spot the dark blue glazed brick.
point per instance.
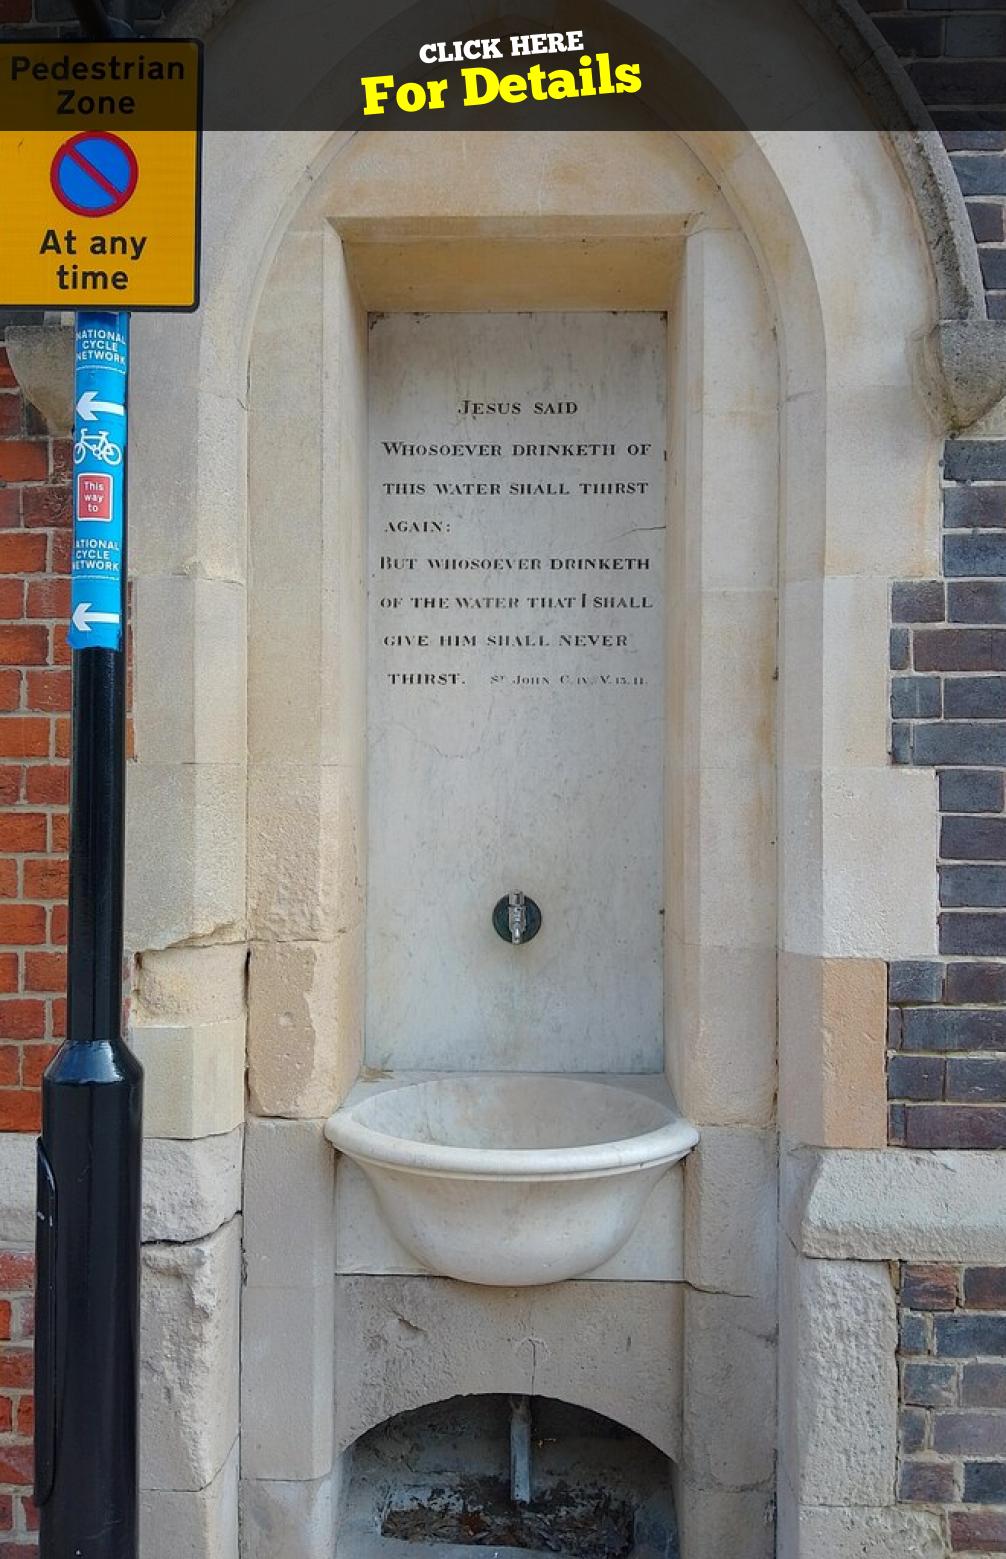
(970, 698)
(974, 508)
(915, 1332)
(894, 1028)
(973, 887)
(937, 1029)
(915, 698)
(987, 224)
(993, 268)
(915, 980)
(901, 647)
(985, 1483)
(960, 742)
(971, 790)
(918, 601)
(901, 742)
(955, 1126)
(915, 1077)
(956, 649)
(978, 173)
(964, 1335)
(912, 1425)
(896, 1126)
(976, 601)
(973, 839)
(977, 459)
(966, 553)
(976, 1080)
(983, 935)
(973, 982)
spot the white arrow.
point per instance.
(89, 406)
(83, 617)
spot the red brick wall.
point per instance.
(34, 749)
(17, 1516)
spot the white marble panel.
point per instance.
(515, 689)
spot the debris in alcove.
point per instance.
(583, 1523)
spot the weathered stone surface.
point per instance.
(189, 1359)
(832, 1047)
(402, 1342)
(42, 361)
(305, 1024)
(287, 1381)
(190, 1188)
(862, 1533)
(200, 1524)
(17, 1188)
(185, 831)
(896, 1205)
(730, 1212)
(288, 1520)
(730, 1389)
(190, 984)
(725, 1523)
(195, 1077)
(288, 1164)
(838, 1380)
(190, 640)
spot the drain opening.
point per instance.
(446, 1476)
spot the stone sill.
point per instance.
(895, 1205)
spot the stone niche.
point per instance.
(557, 739)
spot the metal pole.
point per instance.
(88, 1231)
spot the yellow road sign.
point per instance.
(99, 146)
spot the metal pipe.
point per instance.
(520, 1450)
(88, 1228)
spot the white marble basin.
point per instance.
(511, 1178)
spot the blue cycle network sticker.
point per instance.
(99, 475)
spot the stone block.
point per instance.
(730, 1390)
(190, 638)
(189, 1360)
(185, 836)
(195, 1077)
(721, 1033)
(725, 1523)
(196, 1524)
(305, 833)
(832, 1050)
(888, 1206)
(305, 1024)
(288, 1520)
(731, 1204)
(879, 893)
(862, 1533)
(190, 984)
(287, 1382)
(615, 1348)
(838, 1381)
(190, 1188)
(17, 1188)
(288, 1166)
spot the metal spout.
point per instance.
(516, 917)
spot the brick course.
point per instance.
(17, 1515)
(946, 1085)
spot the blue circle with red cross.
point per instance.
(93, 174)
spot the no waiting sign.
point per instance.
(99, 143)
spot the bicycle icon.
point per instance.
(99, 445)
